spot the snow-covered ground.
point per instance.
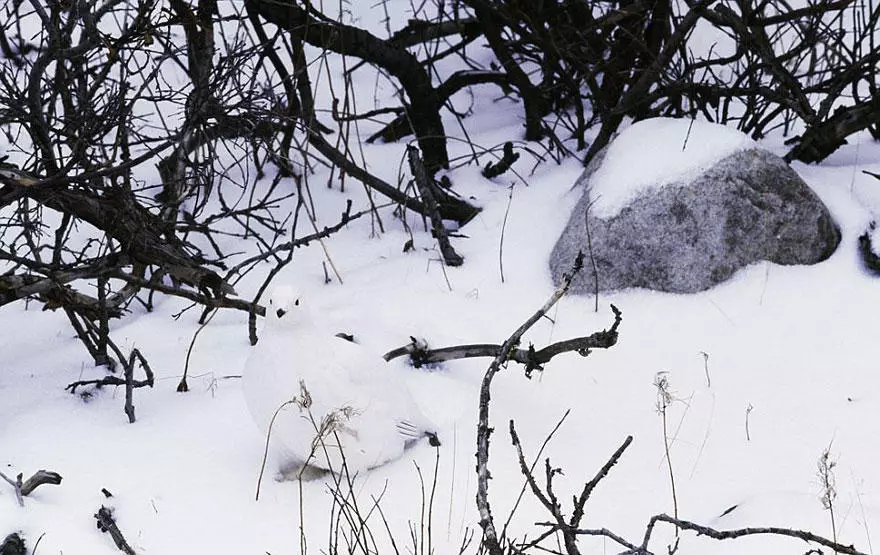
(768, 371)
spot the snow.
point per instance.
(655, 152)
(767, 372)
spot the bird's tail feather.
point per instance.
(413, 433)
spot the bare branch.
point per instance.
(487, 523)
(426, 186)
(39, 478)
(742, 532)
(106, 523)
(591, 485)
(26, 487)
(533, 360)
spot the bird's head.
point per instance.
(285, 306)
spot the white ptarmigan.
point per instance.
(332, 400)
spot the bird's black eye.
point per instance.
(296, 302)
(280, 312)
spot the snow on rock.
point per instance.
(656, 152)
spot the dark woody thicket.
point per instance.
(218, 97)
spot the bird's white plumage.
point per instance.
(336, 398)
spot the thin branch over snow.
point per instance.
(739, 533)
(532, 359)
(490, 534)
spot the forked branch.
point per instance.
(739, 533)
(490, 534)
(26, 487)
(548, 499)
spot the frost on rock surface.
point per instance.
(690, 235)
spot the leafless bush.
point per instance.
(80, 99)
(219, 98)
(812, 70)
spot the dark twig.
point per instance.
(425, 184)
(742, 532)
(128, 380)
(531, 468)
(494, 169)
(106, 523)
(108, 380)
(103, 334)
(530, 358)
(183, 386)
(548, 499)
(503, 229)
(591, 485)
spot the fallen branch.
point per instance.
(570, 529)
(533, 360)
(425, 185)
(108, 380)
(39, 478)
(25, 488)
(494, 169)
(127, 380)
(821, 139)
(741, 532)
(106, 523)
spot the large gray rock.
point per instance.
(685, 238)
